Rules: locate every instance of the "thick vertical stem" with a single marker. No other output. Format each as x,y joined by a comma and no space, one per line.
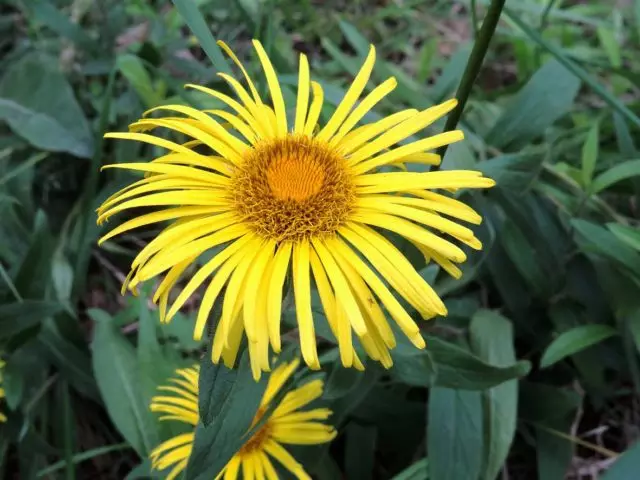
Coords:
472,69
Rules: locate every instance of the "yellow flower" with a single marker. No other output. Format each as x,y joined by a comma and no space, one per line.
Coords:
287,425
3,418
270,197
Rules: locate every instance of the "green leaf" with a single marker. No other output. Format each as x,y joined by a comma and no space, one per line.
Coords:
359,43
596,239
72,361
610,46
133,69
625,141
189,11
115,368
61,276
626,466
575,69
20,316
628,169
590,154
492,340
44,11
416,370
546,97
218,441
341,381
45,114
454,434
629,235
573,341
417,471
360,451
215,384
515,171
458,368
524,257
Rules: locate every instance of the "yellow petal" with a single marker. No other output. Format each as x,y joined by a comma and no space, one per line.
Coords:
303,94
403,130
302,293
253,283
315,109
413,232
365,133
363,108
413,148
235,59
274,295
350,97
274,88
205,271
344,295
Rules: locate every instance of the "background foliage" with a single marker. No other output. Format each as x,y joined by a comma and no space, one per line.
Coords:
534,374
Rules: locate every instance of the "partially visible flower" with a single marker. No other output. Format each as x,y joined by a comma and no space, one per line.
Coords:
288,424
270,196
3,418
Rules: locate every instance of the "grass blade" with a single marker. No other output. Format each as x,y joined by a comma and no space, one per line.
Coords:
189,11
578,71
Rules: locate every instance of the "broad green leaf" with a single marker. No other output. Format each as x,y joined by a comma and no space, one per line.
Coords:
417,471
629,235
417,370
215,384
134,71
115,368
590,154
340,382
61,276
573,341
189,11
554,408
546,97
492,340
596,239
615,174
45,114
553,453
454,434
458,368
360,451
217,442
524,257
515,171
20,316
626,466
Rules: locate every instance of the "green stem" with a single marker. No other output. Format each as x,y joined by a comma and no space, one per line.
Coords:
472,69
474,18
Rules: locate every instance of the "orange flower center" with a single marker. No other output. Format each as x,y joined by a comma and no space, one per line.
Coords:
292,188
295,177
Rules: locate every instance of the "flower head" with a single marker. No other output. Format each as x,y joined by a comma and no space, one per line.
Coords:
272,196
288,424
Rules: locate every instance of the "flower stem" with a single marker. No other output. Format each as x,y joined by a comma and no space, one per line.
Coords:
472,69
